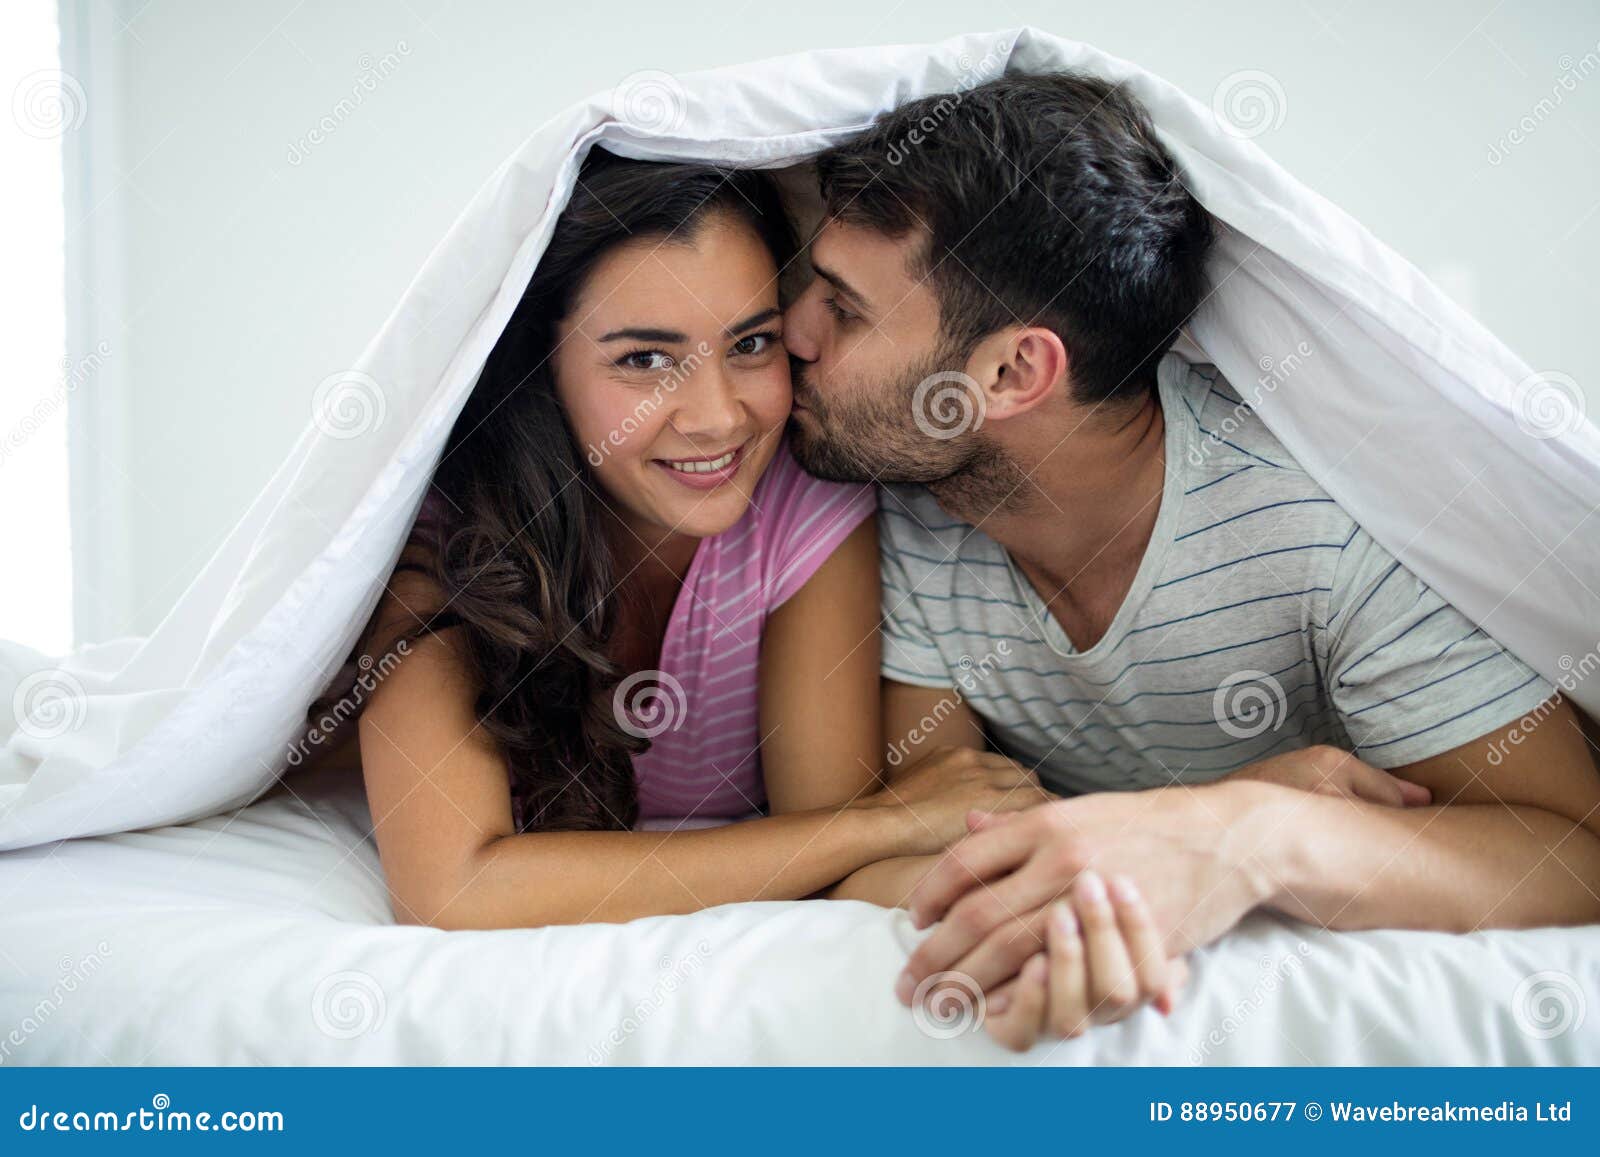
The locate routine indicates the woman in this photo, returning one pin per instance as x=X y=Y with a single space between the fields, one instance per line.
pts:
x=624 y=602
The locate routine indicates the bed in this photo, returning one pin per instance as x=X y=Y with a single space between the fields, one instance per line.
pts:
x=264 y=936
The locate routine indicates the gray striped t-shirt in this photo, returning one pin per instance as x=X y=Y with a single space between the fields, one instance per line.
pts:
x=1262 y=619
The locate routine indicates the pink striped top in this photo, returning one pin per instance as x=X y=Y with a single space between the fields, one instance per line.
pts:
x=701 y=709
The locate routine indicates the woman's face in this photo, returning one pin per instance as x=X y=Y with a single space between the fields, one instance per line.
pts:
x=672 y=373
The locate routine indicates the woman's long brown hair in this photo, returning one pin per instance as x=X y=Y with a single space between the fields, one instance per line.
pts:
x=518 y=560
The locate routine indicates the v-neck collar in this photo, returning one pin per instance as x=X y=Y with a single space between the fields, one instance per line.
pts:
x=1178 y=441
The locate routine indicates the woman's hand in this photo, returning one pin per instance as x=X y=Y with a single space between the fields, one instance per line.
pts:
x=1103 y=960
x=939 y=790
x=1330 y=771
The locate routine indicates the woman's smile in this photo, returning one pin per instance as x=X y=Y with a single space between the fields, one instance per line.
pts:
x=704 y=472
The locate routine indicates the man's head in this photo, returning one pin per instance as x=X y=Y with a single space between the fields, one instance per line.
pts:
x=995 y=267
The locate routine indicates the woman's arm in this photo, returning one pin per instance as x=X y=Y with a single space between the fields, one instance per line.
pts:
x=442 y=819
x=441 y=812
x=886 y=883
x=821 y=726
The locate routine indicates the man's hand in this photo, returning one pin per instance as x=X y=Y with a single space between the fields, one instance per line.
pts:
x=1329 y=771
x=1192 y=850
x=941 y=789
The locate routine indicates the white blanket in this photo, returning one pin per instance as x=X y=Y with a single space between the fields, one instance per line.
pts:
x=263 y=937
x=1428 y=430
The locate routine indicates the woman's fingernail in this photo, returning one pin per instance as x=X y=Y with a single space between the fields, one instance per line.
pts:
x=998 y=1004
x=904 y=987
x=1066 y=919
x=1034 y=970
x=1124 y=889
x=1091 y=887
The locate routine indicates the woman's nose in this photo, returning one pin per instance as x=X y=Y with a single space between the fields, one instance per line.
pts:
x=709 y=408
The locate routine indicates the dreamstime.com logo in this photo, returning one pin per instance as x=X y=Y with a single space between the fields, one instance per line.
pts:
x=372 y=673
x=53 y=403
x=48 y=104
x=972 y=672
x=74 y=974
x=1248 y=103
x=650 y=102
x=49 y=703
x=348 y=404
x=1548 y=404
x=160 y=1117
x=667 y=384
x=1249 y=703
x=1548 y=1004
x=673 y=976
x=1274 y=372
x=1272 y=975
x=947 y=1005
x=372 y=72
x=348 y=1004
x=1573 y=672
x=947 y=404
x=989 y=66
x=649 y=703
x=1565 y=83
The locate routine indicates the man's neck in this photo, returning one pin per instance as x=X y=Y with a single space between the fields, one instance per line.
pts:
x=1081 y=519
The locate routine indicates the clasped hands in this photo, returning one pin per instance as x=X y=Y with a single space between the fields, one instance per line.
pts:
x=1079 y=911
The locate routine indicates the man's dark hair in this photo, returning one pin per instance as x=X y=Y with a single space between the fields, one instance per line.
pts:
x=1048 y=201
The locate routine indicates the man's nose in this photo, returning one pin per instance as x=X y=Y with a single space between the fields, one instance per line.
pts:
x=799 y=336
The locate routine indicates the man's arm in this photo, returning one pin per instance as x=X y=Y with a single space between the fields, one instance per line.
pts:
x=1513 y=840
x=1513 y=837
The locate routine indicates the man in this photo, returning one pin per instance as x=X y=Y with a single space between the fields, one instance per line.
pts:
x=1096 y=556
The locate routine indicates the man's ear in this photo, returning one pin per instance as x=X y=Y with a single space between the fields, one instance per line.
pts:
x=1018 y=369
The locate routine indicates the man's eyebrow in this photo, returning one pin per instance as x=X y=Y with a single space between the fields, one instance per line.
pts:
x=839 y=283
x=643 y=334
x=752 y=321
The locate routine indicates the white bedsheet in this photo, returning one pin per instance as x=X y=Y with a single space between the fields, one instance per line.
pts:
x=264 y=936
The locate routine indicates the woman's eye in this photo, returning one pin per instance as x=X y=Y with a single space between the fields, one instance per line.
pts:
x=838 y=311
x=755 y=343
x=649 y=361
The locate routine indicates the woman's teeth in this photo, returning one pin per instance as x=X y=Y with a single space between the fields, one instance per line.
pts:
x=709 y=466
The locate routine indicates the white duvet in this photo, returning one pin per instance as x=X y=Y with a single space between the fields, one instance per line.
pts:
x=222 y=938
x=264 y=937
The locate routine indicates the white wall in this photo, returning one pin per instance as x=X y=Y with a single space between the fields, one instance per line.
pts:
x=247 y=276
x=35 y=387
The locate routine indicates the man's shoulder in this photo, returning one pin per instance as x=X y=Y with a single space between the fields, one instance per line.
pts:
x=910 y=518
x=938 y=555
x=1226 y=431
x=1232 y=458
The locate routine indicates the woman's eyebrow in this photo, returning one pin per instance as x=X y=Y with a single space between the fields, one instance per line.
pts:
x=753 y=320
x=644 y=334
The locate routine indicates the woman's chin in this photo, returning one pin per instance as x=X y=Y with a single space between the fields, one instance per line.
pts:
x=707 y=514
